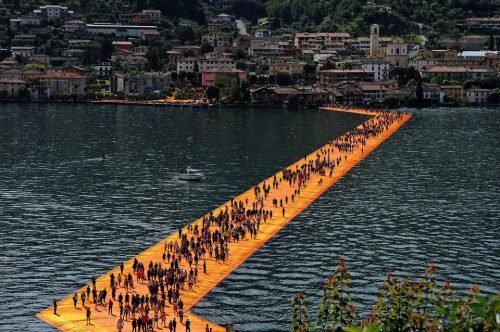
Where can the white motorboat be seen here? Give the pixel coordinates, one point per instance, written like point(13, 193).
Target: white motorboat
point(191, 175)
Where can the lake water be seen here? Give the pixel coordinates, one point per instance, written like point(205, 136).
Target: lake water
point(428, 194)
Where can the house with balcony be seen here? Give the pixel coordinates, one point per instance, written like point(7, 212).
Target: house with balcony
point(459, 73)
point(11, 86)
point(338, 75)
point(22, 51)
point(290, 67)
point(58, 85)
point(477, 96)
point(209, 76)
point(453, 91)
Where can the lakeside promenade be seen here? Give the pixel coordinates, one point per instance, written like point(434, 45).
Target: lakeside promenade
point(263, 212)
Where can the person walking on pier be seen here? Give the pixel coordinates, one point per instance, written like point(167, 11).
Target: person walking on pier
point(88, 315)
point(75, 300)
point(55, 307)
point(188, 325)
point(82, 296)
point(110, 307)
point(119, 324)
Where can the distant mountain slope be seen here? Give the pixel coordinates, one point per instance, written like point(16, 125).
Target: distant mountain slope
point(437, 16)
point(107, 9)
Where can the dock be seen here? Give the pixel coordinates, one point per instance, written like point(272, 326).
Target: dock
point(321, 178)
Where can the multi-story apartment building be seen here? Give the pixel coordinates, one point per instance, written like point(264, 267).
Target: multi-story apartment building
point(321, 40)
point(189, 64)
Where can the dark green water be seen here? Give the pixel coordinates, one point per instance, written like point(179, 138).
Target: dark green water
point(66, 215)
point(429, 194)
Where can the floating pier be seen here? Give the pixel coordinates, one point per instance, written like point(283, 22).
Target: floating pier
point(69, 318)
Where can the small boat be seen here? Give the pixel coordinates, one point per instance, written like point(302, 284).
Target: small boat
point(191, 175)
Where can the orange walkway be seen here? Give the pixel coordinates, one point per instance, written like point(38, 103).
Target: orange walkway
point(71, 319)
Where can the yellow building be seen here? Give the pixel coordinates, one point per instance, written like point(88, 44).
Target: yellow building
point(292, 68)
point(11, 87)
point(455, 91)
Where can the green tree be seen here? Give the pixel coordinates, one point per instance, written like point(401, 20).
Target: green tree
point(300, 316)
point(213, 92)
point(249, 9)
point(241, 65)
point(494, 97)
point(228, 86)
point(310, 68)
point(185, 34)
point(245, 92)
point(153, 57)
point(491, 43)
point(391, 101)
point(206, 48)
point(283, 79)
point(292, 101)
point(403, 305)
point(337, 311)
point(24, 93)
point(419, 92)
point(106, 48)
point(404, 75)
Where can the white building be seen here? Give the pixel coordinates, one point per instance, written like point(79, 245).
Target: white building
point(73, 53)
point(397, 52)
point(321, 40)
point(103, 69)
point(269, 47)
point(74, 26)
point(154, 15)
point(484, 23)
point(204, 64)
point(380, 69)
point(477, 96)
point(372, 6)
point(224, 18)
point(120, 30)
point(216, 40)
point(476, 55)
point(22, 51)
point(4, 12)
point(52, 12)
point(262, 33)
point(361, 44)
point(185, 23)
point(17, 23)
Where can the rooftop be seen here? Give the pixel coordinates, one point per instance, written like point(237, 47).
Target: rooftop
point(61, 75)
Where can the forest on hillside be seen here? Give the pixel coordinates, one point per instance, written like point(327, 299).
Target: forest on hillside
point(437, 17)
point(95, 10)
point(434, 18)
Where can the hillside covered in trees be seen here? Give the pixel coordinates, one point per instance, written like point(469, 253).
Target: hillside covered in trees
point(103, 10)
point(436, 17)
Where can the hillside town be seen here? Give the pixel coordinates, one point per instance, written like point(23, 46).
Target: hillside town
point(231, 61)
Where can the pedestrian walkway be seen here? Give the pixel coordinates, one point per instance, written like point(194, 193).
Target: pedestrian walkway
point(294, 188)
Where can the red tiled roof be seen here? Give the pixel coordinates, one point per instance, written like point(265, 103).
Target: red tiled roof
point(7, 80)
point(230, 70)
point(61, 75)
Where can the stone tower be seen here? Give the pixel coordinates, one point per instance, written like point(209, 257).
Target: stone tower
point(374, 40)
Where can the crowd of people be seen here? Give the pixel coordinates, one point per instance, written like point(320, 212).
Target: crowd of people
point(184, 259)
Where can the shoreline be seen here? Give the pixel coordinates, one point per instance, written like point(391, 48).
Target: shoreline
point(70, 319)
point(155, 103)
